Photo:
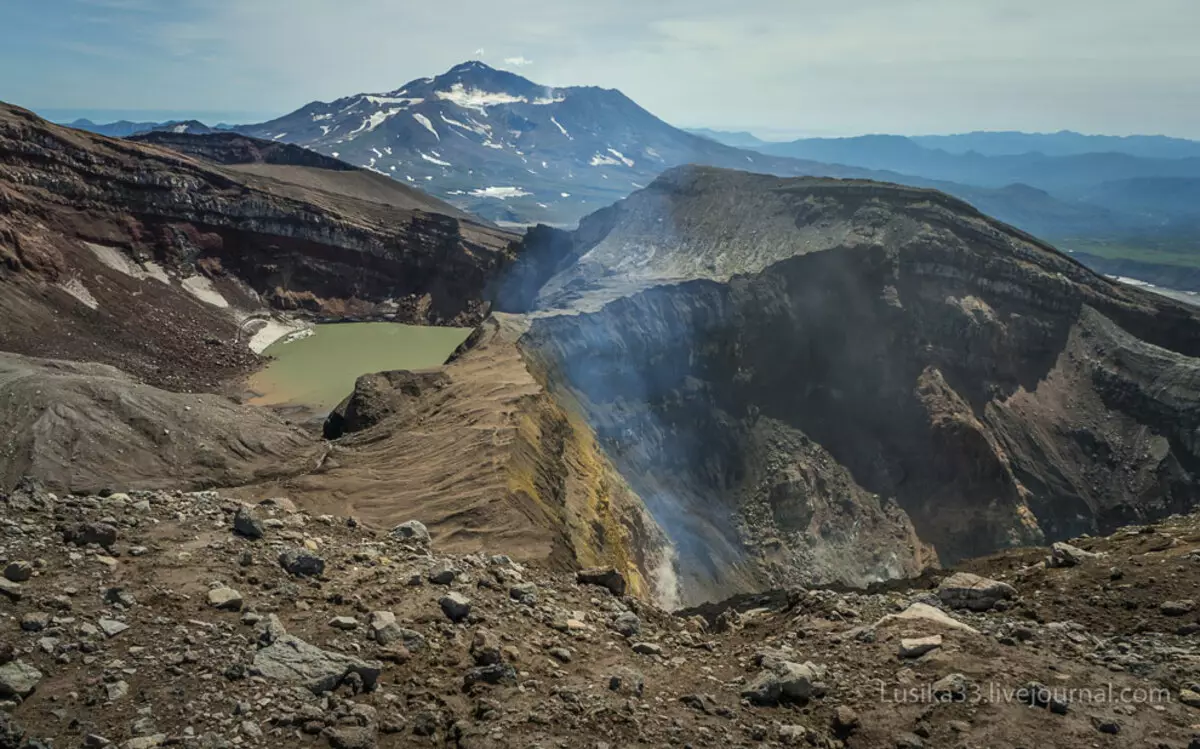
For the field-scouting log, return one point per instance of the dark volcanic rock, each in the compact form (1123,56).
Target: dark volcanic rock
(858,355)
(378,396)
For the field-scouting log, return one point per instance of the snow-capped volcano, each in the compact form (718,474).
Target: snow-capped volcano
(507,148)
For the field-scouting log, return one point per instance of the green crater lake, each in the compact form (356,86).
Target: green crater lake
(319,371)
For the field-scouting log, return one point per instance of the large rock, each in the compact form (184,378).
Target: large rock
(291,659)
(377,396)
(301,563)
(605,577)
(225,599)
(412,531)
(82,534)
(247,523)
(784,681)
(18,679)
(924,612)
(455,606)
(964,590)
(1066,555)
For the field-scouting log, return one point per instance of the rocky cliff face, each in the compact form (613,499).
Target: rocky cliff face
(157,254)
(790,372)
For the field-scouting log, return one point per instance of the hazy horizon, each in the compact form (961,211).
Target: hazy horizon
(784,70)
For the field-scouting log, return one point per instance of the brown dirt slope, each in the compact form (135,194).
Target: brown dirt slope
(87,427)
(485,457)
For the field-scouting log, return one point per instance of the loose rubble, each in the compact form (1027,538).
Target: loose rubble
(312,633)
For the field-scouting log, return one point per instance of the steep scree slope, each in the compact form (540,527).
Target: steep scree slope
(787,371)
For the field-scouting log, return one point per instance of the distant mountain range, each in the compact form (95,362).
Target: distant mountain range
(511,150)
(125,128)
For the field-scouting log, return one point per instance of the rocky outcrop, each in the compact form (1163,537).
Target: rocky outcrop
(160,255)
(789,371)
(379,396)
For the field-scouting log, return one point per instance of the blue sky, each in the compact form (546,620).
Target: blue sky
(777,67)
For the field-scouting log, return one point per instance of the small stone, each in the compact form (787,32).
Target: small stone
(18,572)
(1189,697)
(1177,608)
(605,577)
(13,591)
(301,563)
(455,606)
(627,624)
(845,720)
(952,688)
(525,594)
(35,621)
(120,596)
(251,729)
(443,574)
(1106,725)
(498,673)
(560,654)
(116,690)
(647,648)
(908,741)
(345,623)
(146,742)
(915,647)
(225,599)
(485,648)
(111,627)
(247,524)
(413,531)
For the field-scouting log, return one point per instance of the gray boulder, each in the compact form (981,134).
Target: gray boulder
(291,659)
(963,590)
(413,531)
(301,563)
(1066,555)
(455,606)
(247,523)
(785,682)
(18,679)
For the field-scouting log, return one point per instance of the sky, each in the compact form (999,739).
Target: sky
(779,68)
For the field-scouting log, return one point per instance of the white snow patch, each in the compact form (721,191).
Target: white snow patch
(490,144)
(203,289)
(553,98)
(376,119)
(404,102)
(425,123)
(393,168)
(180,128)
(601,160)
(621,156)
(75,288)
(325,130)
(273,330)
(565,194)
(433,160)
(114,258)
(474,129)
(500,193)
(319,117)
(561,129)
(335,154)
(477,99)
(277,137)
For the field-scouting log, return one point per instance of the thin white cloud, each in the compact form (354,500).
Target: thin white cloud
(802,65)
(517,62)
